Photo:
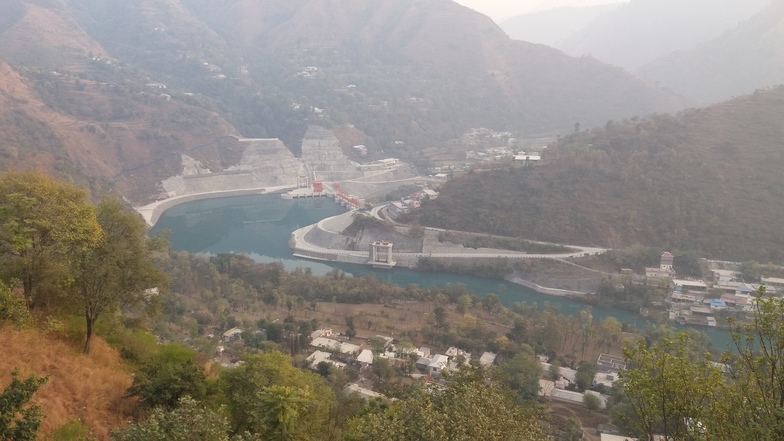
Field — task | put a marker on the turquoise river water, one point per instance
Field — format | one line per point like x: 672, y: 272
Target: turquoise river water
x: 260, y: 226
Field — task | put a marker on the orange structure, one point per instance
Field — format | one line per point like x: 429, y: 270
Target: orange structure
x: 342, y: 195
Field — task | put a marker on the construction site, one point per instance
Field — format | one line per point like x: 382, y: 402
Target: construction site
x: 257, y: 166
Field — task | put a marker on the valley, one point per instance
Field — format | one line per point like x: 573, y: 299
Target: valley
x: 337, y: 220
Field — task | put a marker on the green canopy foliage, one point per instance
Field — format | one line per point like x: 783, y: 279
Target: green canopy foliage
x: 706, y: 180
x: 44, y: 222
x: 169, y: 376
x: 119, y: 269
x: 19, y: 420
x: 270, y: 397
x: 469, y: 408
x: 672, y: 392
x: 189, y: 421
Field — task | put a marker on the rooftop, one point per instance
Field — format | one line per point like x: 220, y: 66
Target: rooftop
x: 334, y: 345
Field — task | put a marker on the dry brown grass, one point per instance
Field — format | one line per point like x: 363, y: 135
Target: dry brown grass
x: 589, y: 420
x: 88, y: 388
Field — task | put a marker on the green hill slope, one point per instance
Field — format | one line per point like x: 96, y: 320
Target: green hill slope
x: 708, y: 180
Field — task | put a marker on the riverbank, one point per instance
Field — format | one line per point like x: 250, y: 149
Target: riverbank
x: 152, y: 212
x: 323, y: 241
x: 512, y: 278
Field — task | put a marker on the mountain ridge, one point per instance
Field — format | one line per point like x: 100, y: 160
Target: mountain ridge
x: 705, y: 181
x: 641, y: 30
x: 747, y: 57
x: 146, y: 81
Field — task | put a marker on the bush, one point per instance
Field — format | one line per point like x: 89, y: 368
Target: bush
x: 73, y: 430
x: 13, y: 307
x: 592, y: 401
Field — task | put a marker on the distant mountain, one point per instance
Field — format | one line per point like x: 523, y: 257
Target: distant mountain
x: 708, y: 180
x: 640, y: 31
x: 101, y: 135
x: 120, y: 89
x: 427, y: 69
x: 552, y: 26
x: 748, y: 57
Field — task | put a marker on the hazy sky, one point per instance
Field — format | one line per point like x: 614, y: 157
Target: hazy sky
x: 499, y: 10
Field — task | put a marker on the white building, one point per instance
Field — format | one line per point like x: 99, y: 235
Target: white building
x: 334, y: 345
x: 319, y: 356
x: 365, y: 357
x: 438, y: 363
x: 487, y: 359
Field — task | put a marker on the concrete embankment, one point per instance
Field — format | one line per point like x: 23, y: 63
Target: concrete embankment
x: 543, y: 289
x: 152, y: 212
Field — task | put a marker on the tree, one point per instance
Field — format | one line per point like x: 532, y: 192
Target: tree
x: 19, y: 421
x: 439, y: 314
x: 555, y: 370
x: 519, y: 332
x: 280, y: 407
x: 585, y: 374
x: 351, y: 332
x: 464, y: 303
x: 756, y: 372
x: 586, y: 328
x: 592, y: 401
x: 672, y: 391
x: 378, y: 344
x: 609, y: 332
x: 13, y: 308
x: 491, y: 302
x: 521, y: 374
x: 189, y: 421
x: 470, y: 408
x: 119, y: 270
x: 254, y: 407
x: 43, y: 223
x: 669, y: 393
x: 168, y: 377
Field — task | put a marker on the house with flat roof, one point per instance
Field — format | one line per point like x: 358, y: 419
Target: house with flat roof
x: 364, y: 393
x: 487, y: 359
x: 335, y: 345
x: 775, y: 281
x: 722, y: 275
x: 365, y: 357
x: 659, y: 272
x: 691, y: 285
x: 320, y: 356
x: 438, y: 363
x: 231, y: 335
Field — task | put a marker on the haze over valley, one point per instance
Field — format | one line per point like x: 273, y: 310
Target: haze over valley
x: 368, y: 198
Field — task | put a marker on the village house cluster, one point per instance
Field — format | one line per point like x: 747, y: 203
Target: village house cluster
x: 699, y: 302
x: 563, y: 387
x: 410, y: 202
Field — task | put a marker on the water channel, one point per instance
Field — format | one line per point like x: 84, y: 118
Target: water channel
x: 260, y: 226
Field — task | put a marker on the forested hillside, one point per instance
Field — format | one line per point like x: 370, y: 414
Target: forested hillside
x: 707, y: 180
x: 71, y: 268
x: 147, y: 80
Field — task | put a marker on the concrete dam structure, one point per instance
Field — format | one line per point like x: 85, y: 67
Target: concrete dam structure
x: 324, y: 158
x: 265, y: 163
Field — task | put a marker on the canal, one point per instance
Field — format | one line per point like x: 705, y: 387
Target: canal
x: 260, y: 226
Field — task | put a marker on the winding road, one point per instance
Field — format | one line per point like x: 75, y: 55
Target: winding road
x: 298, y: 243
